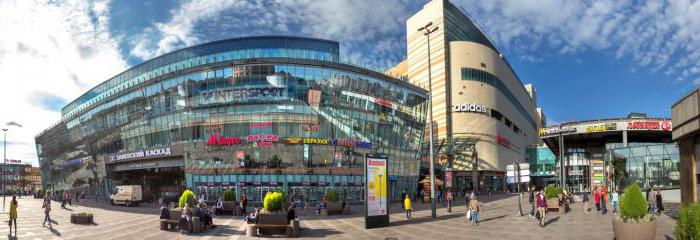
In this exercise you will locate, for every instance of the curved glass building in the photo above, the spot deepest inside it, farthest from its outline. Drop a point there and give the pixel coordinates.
(252, 114)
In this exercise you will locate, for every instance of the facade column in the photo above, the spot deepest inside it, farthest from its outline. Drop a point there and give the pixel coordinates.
(688, 170)
(624, 138)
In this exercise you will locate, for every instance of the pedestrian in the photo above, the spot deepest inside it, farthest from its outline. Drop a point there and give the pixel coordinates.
(422, 194)
(615, 200)
(531, 200)
(659, 202)
(70, 199)
(542, 206)
(596, 198)
(403, 196)
(603, 200)
(437, 194)
(474, 209)
(585, 200)
(13, 215)
(185, 218)
(244, 203)
(652, 201)
(407, 205)
(47, 208)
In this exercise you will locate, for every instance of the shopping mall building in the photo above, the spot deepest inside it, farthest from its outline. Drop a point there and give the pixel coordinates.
(252, 114)
(614, 152)
(475, 93)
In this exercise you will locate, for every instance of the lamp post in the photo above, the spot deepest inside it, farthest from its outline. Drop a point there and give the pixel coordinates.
(427, 31)
(4, 165)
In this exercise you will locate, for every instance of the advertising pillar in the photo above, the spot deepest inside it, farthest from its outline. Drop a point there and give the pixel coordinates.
(376, 206)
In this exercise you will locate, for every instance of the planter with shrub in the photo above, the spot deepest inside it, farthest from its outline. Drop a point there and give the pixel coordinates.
(81, 218)
(333, 203)
(552, 194)
(688, 225)
(633, 222)
(273, 213)
(230, 202)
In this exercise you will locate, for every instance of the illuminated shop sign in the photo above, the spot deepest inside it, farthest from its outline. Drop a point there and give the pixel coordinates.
(502, 140)
(601, 127)
(260, 124)
(141, 154)
(263, 138)
(223, 95)
(649, 125)
(337, 142)
(381, 102)
(473, 107)
(217, 140)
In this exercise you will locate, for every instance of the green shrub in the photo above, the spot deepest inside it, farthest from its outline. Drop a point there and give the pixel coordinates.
(229, 195)
(332, 195)
(187, 197)
(633, 206)
(688, 225)
(273, 201)
(552, 191)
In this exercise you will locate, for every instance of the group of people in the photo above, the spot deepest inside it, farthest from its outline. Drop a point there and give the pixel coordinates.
(185, 223)
(655, 201)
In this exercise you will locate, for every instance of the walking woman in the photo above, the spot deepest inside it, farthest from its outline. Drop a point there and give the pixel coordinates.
(474, 209)
(407, 205)
(13, 214)
(542, 206)
(659, 202)
(47, 208)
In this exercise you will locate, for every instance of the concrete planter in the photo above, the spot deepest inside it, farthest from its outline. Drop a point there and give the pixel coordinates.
(552, 203)
(81, 218)
(333, 208)
(634, 231)
(277, 218)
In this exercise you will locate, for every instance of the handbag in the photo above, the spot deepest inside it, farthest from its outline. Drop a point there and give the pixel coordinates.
(469, 214)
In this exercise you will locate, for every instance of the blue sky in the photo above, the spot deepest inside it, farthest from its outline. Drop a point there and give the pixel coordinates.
(587, 59)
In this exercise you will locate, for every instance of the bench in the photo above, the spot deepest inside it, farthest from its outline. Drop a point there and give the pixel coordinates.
(335, 208)
(195, 226)
(271, 224)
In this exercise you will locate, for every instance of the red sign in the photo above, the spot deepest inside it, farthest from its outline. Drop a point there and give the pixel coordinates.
(666, 125)
(260, 124)
(502, 140)
(240, 154)
(263, 138)
(215, 140)
(645, 125)
(383, 102)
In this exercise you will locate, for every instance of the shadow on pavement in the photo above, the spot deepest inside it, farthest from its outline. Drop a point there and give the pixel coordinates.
(426, 219)
(223, 230)
(55, 232)
(492, 218)
(314, 233)
(550, 221)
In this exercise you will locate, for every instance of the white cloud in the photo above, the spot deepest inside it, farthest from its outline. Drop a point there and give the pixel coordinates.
(49, 52)
(657, 35)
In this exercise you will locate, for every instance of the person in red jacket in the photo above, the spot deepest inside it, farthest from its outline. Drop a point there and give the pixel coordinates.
(596, 198)
(603, 197)
(541, 206)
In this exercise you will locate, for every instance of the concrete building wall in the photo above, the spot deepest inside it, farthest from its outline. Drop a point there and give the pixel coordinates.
(495, 155)
(686, 132)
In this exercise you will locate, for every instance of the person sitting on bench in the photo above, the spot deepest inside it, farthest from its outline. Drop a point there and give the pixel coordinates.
(205, 215)
(219, 208)
(291, 214)
(185, 218)
(253, 217)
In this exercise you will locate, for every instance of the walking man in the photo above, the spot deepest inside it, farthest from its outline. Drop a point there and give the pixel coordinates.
(596, 198)
(47, 208)
(541, 206)
(603, 197)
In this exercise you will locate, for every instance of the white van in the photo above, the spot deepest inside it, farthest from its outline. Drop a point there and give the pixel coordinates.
(127, 195)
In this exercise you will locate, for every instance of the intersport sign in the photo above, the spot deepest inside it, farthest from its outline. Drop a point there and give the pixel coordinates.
(470, 107)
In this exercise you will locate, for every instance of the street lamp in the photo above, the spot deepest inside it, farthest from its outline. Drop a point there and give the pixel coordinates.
(427, 31)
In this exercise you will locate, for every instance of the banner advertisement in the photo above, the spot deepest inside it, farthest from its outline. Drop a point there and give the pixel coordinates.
(376, 188)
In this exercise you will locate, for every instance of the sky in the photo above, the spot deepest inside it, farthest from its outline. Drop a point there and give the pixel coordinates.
(587, 59)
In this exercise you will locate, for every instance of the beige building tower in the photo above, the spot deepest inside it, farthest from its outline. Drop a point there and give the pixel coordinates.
(475, 93)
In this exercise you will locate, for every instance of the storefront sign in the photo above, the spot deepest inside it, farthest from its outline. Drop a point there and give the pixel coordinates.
(263, 138)
(376, 188)
(157, 152)
(260, 124)
(473, 107)
(649, 125)
(217, 140)
(343, 142)
(575, 172)
(383, 102)
(225, 95)
(502, 140)
(293, 140)
(362, 144)
(556, 130)
(601, 127)
(316, 141)
(240, 154)
(14, 161)
(309, 127)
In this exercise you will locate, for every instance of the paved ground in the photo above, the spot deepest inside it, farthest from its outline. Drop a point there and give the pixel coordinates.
(498, 221)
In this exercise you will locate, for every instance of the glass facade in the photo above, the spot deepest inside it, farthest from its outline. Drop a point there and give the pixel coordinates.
(649, 165)
(288, 117)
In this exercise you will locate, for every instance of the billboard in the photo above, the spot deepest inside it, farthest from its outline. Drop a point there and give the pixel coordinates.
(376, 214)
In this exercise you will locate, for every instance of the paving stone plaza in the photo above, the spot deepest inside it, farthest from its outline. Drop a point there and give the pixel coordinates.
(498, 220)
